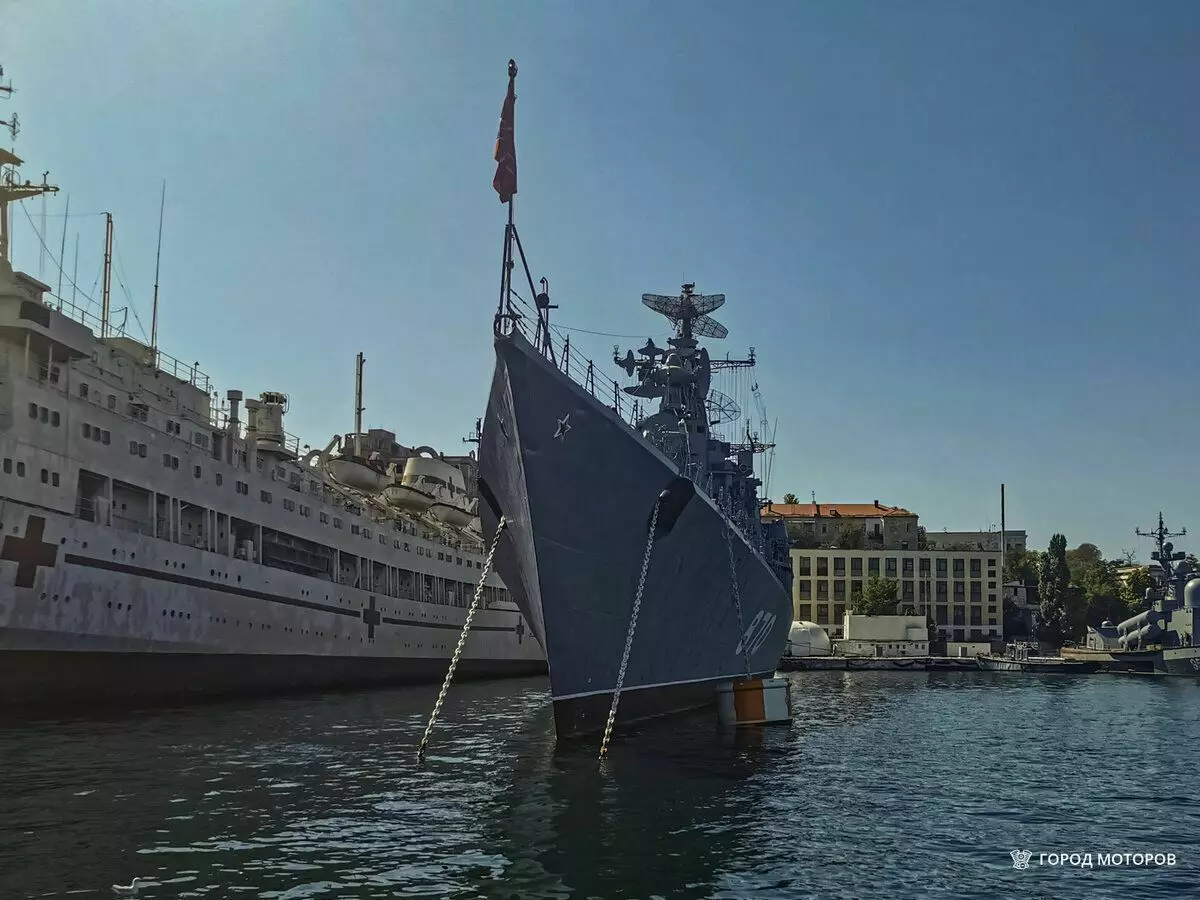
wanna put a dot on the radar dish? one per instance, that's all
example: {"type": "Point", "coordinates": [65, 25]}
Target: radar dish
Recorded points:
{"type": "Point", "coordinates": [706, 326]}
{"type": "Point", "coordinates": [687, 306]}
{"type": "Point", "coordinates": [721, 408]}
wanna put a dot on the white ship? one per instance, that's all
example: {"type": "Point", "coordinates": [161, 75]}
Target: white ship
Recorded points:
{"type": "Point", "coordinates": [155, 545]}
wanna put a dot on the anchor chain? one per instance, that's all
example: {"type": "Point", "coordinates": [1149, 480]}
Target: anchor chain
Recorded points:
{"type": "Point", "coordinates": [462, 639]}
{"type": "Point", "coordinates": [737, 595]}
{"type": "Point", "coordinates": [637, 606]}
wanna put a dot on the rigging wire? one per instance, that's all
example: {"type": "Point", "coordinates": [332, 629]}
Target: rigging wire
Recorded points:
{"type": "Point", "coordinates": [38, 233]}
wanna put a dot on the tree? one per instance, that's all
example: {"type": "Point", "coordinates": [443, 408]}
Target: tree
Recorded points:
{"type": "Point", "coordinates": [922, 538]}
{"type": "Point", "coordinates": [801, 538]}
{"type": "Point", "coordinates": [1128, 558]}
{"type": "Point", "coordinates": [1022, 566]}
{"type": "Point", "coordinates": [850, 537]}
{"type": "Point", "coordinates": [1139, 581]}
{"type": "Point", "coordinates": [1054, 580]}
{"type": "Point", "coordinates": [790, 499]}
{"type": "Point", "coordinates": [1082, 559]}
{"type": "Point", "coordinates": [878, 598]}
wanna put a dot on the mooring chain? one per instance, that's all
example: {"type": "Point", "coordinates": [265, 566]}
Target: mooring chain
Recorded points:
{"type": "Point", "coordinates": [737, 595]}
{"type": "Point", "coordinates": [462, 639]}
{"type": "Point", "coordinates": [637, 606]}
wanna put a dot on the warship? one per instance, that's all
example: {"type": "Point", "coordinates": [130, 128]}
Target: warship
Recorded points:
{"type": "Point", "coordinates": [634, 547]}
{"type": "Point", "coordinates": [1162, 637]}
{"type": "Point", "coordinates": [160, 544]}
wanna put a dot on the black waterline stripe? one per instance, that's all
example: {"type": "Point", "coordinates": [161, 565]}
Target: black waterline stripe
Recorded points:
{"type": "Point", "coordinates": [142, 572]}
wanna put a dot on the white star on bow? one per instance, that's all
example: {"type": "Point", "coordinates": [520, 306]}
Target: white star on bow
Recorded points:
{"type": "Point", "coordinates": [564, 425]}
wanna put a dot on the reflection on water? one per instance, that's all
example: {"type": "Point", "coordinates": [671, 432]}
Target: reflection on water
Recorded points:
{"type": "Point", "coordinates": [890, 785]}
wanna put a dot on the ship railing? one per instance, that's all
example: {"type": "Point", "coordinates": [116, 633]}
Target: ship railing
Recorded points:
{"type": "Point", "coordinates": [190, 374]}
{"type": "Point", "coordinates": [556, 347]}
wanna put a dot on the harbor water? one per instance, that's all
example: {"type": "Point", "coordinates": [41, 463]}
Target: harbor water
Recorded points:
{"type": "Point", "coordinates": [888, 785]}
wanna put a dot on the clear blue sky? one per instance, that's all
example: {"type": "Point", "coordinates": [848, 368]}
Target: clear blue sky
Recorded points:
{"type": "Point", "coordinates": [962, 236]}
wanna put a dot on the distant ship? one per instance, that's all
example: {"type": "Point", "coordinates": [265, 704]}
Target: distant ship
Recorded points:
{"type": "Point", "coordinates": [579, 486]}
{"type": "Point", "coordinates": [1162, 638]}
{"type": "Point", "coordinates": [155, 545]}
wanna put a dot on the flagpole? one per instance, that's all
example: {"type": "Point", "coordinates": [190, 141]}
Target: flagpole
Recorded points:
{"type": "Point", "coordinates": [505, 183]}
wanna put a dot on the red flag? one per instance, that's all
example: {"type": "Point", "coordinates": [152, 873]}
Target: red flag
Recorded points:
{"type": "Point", "coordinates": [505, 180]}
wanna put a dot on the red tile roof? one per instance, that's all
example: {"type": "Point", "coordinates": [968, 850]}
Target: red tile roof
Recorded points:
{"type": "Point", "coordinates": [832, 510]}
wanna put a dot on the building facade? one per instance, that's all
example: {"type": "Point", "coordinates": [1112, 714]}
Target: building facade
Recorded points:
{"type": "Point", "coordinates": [884, 636]}
{"type": "Point", "coordinates": [885, 527]}
{"type": "Point", "coordinates": [959, 589]}
{"type": "Point", "coordinates": [974, 540]}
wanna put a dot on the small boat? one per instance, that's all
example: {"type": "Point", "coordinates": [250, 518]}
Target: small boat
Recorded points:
{"type": "Point", "coordinates": [1017, 658]}
{"type": "Point", "coordinates": [356, 472]}
{"type": "Point", "coordinates": [431, 484]}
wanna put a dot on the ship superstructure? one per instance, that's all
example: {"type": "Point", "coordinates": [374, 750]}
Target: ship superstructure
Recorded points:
{"type": "Point", "coordinates": [156, 541]}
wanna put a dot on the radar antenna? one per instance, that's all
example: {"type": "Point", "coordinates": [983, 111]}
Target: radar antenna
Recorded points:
{"type": "Point", "coordinates": [1166, 553]}
{"type": "Point", "coordinates": [689, 312]}
{"type": "Point", "coordinates": [11, 190]}
{"type": "Point", "coordinates": [721, 408]}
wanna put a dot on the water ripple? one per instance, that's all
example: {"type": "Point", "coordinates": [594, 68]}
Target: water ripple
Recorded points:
{"type": "Point", "coordinates": [890, 785]}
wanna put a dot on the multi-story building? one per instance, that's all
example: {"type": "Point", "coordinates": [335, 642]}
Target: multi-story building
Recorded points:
{"type": "Point", "coordinates": [974, 540]}
{"type": "Point", "coordinates": [959, 589]}
{"type": "Point", "coordinates": [886, 527]}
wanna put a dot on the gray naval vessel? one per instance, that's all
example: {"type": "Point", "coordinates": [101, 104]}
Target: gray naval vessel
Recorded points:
{"type": "Point", "coordinates": [1165, 632]}
{"type": "Point", "coordinates": [604, 516]}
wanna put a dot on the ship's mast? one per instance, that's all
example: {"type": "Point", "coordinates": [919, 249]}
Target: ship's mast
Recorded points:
{"type": "Point", "coordinates": [358, 404]}
{"type": "Point", "coordinates": [1165, 554]}
{"type": "Point", "coordinates": [11, 190]}
{"type": "Point", "coordinates": [106, 295]}
{"type": "Point", "coordinates": [162, 205]}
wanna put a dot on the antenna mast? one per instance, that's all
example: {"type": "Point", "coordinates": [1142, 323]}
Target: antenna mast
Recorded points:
{"type": "Point", "coordinates": [10, 188]}
{"type": "Point", "coordinates": [62, 251]}
{"type": "Point", "coordinates": [1165, 553]}
{"type": "Point", "coordinates": [358, 405]}
{"type": "Point", "coordinates": [106, 296]}
{"type": "Point", "coordinates": [157, 258]}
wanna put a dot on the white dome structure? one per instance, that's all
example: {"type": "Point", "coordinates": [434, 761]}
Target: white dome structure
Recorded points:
{"type": "Point", "coordinates": [808, 639]}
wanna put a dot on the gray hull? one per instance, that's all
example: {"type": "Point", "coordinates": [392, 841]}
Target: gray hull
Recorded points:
{"type": "Point", "coordinates": [1180, 661]}
{"type": "Point", "coordinates": [578, 487]}
{"type": "Point", "coordinates": [51, 680]}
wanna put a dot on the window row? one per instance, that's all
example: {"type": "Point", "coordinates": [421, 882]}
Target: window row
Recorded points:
{"type": "Point", "coordinates": [48, 477]}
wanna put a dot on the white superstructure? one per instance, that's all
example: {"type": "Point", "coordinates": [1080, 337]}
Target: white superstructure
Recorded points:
{"type": "Point", "coordinates": [155, 543]}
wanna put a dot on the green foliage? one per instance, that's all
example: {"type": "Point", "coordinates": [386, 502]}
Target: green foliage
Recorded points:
{"type": "Point", "coordinates": [1054, 580]}
{"type": "Point", "coordinates": [1135, 589]}
{"type": "Point", "coordinates": [790, 499]}
{"type": "Point", "coordinates": [801, 538]}
{"type": "Point", "coordinates": [878, 598]}
{"type": "Point", "coordinates": [922, 538]}
{"type": "Point", "coordinates": [850, 537]}
{"type": "Point", "coordinates": [1082, 559]}
{"type": "Point", "coordinates": [1022, 566]}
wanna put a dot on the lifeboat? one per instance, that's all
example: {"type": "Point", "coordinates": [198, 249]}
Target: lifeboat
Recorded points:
{"type": "Point", "coordinates": [407, 497]}
{"type": "Point", "coordinates": [429, 484]}
{"type": "Point", "coordinates": [460, 516]}
{"type": "Point", "coordinates": [358, 473]}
